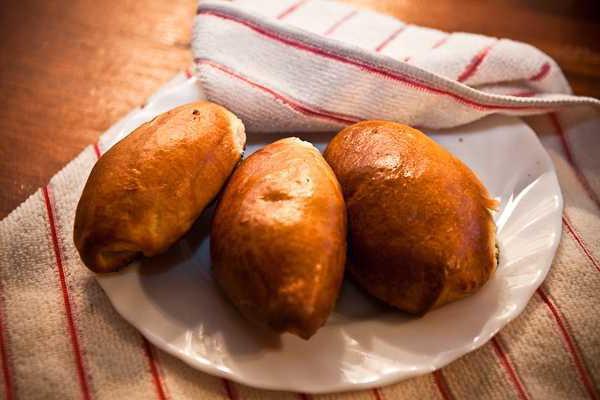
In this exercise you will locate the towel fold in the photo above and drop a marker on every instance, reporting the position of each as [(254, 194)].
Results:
[(315, 65)]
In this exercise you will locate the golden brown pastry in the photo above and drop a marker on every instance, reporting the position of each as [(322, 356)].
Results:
[(146, 191), (421, 233), (278, 239)]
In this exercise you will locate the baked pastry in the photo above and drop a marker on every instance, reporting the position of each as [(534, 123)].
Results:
[(421, 232), (278, 238), (147, 190)]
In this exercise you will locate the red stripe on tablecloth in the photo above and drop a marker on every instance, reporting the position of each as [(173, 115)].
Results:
[(97, 150), (6, 374), (378, 395), (370, 68), (293, 103), (188, 73), (442, 385), (340, 22), (160, 392), (544, 70), (475, 63), (291, 9), (390, 38), (441, 41), (575, 234), (509, 368), (435, 45), (569, 154), (570, 344), (85, 391), (229, 389)]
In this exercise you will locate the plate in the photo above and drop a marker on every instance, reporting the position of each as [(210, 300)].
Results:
[(172, 299)]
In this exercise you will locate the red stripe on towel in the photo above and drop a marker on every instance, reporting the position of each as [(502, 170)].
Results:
[(85, 391), (544, 70), (377, 393), (291, 9), (435, 45), (512, 373), (569, 154), (97, 149), (475, 63), (369, 68), (441, 41), (390, 38), (581, 242), (6, 374), (160, 392), (292, 103), (340, 22), (229, 389), (570, 344), (442, 385)]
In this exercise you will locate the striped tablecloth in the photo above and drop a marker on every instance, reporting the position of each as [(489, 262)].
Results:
[(60, 338)]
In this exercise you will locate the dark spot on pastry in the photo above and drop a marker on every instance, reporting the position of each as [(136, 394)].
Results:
[(195, 112), (276, 195)]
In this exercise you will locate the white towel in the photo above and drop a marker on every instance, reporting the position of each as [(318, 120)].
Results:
[(314, 65)]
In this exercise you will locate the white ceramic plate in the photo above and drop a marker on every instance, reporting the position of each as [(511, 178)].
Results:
[(174, 302)]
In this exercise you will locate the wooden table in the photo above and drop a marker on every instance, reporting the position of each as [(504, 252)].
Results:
[(69, 69)]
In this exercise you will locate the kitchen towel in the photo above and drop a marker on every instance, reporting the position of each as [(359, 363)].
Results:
[(312, 66)]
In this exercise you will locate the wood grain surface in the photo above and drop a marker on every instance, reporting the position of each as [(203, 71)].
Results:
[(69, 69)]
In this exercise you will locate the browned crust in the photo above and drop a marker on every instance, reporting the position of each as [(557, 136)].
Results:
[(421, 232), (146, 191), (278, 239)]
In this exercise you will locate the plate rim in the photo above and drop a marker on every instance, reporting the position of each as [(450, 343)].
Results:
[(382, 379)]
